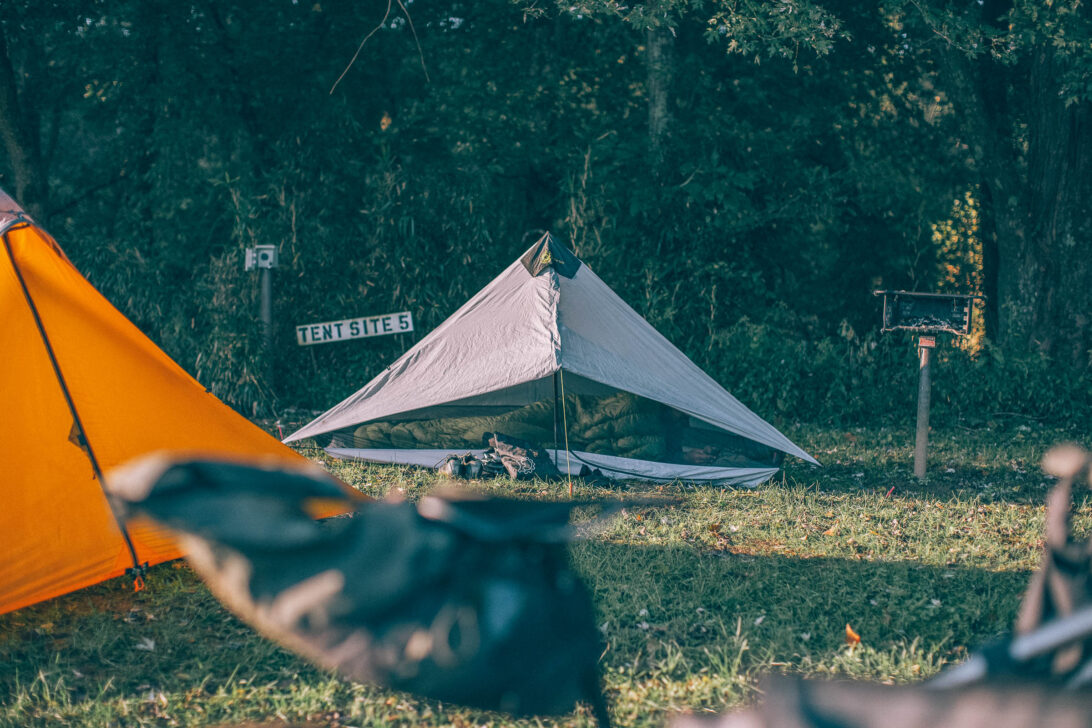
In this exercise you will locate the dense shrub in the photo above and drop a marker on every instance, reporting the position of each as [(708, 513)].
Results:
[(750, 231), (787, 375)]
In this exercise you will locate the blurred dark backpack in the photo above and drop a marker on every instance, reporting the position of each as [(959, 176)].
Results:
[(472, 602)]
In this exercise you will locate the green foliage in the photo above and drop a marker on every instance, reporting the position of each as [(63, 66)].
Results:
[(790, 375), (1032, 385), (751, 28), (793, 373), (781, 186)]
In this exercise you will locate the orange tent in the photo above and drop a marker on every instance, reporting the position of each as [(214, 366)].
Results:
[(82, 391)]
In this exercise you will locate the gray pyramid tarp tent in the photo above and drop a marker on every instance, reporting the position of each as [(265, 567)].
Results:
[(548, 352)]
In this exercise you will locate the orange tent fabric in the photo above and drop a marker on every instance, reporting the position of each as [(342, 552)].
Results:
[(58, 529)]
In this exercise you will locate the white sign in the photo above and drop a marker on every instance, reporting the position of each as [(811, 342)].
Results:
[(354, 328), (261, 256)]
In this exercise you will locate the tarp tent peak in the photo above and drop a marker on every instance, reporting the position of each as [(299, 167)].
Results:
[(548, 253)]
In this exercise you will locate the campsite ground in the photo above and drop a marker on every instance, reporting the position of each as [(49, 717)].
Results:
[(697, 597)]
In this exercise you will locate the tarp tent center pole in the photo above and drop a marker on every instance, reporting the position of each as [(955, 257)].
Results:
[(557, 416)]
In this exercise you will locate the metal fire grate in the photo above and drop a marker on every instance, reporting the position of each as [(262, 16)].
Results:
[(927, 313)]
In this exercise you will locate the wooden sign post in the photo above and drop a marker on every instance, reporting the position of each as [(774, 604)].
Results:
[(264, 259), (926, 344)]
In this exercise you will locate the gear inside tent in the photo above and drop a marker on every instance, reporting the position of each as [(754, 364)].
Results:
[(84, 390), (549, 354)]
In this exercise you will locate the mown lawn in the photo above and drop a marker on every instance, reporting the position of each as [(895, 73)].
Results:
[(697, 597)]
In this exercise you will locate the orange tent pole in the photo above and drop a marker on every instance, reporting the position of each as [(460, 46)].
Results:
[(137, 569)]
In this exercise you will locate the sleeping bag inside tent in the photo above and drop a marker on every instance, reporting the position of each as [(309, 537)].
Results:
[(549, 354)]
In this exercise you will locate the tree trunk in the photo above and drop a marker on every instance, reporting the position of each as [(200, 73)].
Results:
[(1037, 222), (979, 89), (20, 140), (660, 69), (987, 232), (1051, 295)]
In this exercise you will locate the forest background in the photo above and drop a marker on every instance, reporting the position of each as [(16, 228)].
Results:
[(744, 173)]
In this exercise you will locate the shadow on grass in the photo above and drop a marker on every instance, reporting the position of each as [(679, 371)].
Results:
[(667, 613), (1000, 463), (986, 484), (792, 609)]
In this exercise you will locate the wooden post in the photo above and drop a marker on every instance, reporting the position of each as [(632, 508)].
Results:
[(266, 313), (264, 258), (921, 443)]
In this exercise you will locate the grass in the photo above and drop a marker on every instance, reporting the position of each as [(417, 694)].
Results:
[(698, 596)]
